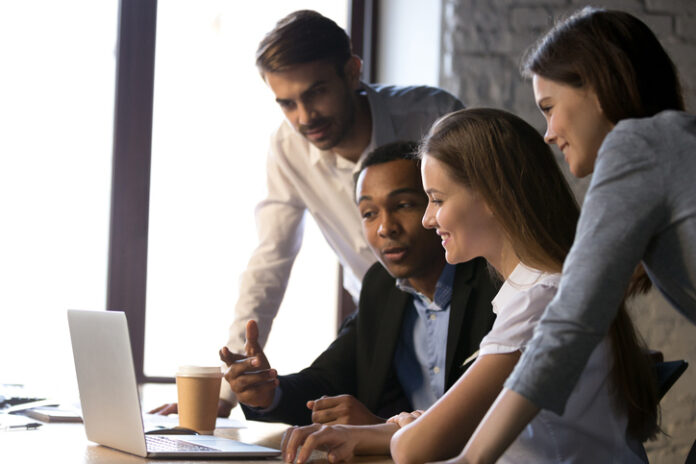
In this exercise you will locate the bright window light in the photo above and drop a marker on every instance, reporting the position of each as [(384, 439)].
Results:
[(213, 116), (56, 124)]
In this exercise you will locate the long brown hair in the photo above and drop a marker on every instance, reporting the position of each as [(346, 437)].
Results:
[(616, 55), (507, 162)]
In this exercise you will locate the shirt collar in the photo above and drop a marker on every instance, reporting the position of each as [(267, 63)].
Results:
[(522, 277), (382, 127), (443, 289)]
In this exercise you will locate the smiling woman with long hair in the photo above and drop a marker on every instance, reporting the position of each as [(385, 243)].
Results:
[(495, 191), (613, 105)]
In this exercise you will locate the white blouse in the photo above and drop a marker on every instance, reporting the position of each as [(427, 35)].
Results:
[(592, 429)]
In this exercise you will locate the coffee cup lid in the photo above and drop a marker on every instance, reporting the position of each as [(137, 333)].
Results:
[(198, 371)]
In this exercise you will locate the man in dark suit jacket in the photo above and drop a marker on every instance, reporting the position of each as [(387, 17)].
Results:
[(365, 374)]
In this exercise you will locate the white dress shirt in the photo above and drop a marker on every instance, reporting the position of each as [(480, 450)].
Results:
[(592, 429), (303, 178)]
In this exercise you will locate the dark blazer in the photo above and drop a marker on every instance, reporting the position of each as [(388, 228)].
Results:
[(360, 361)]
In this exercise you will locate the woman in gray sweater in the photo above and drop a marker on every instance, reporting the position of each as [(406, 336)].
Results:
[(613, 105)]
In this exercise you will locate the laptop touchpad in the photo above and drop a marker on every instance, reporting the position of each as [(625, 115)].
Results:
[(223, 444)]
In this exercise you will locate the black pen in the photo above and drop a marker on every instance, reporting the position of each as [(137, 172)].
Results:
[(29, 426)]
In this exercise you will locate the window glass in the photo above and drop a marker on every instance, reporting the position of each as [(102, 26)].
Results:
[(213, 116), (56, 120)]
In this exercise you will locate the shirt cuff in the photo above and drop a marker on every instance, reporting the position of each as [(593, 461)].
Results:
[(277, 396)]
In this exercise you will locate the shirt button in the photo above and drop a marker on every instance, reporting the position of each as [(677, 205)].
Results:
[(436, 370), (433, 317)]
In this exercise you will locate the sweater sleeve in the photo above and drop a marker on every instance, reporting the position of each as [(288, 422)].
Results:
[(623, 209)]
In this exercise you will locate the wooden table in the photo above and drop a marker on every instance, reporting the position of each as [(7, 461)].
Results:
[(67, 443)]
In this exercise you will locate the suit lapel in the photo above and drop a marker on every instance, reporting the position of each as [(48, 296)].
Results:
[(387, 334), (458, 310)]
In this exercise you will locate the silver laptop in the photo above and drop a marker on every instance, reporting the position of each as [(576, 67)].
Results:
[(109, 395)]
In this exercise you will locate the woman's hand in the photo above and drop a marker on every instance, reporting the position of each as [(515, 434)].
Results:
[(405, 418)]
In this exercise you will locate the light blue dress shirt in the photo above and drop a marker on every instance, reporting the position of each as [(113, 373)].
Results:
[(422, 349)]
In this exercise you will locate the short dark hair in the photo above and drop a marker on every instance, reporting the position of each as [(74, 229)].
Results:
[(302, 37), (613, 53), (400, 150)]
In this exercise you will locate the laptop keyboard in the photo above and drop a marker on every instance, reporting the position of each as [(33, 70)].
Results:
[(158, 444)]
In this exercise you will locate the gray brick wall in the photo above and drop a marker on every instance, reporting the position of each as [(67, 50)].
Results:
[(482, 44)]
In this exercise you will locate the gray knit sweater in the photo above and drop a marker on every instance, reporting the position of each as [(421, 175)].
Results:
[(640, 206)]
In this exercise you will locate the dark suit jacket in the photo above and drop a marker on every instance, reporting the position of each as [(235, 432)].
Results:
[(360, 361)]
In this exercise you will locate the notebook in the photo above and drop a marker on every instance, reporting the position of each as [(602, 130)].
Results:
[(109, 395), (54, 414)]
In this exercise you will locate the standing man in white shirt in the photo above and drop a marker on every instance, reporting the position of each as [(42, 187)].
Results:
[(332, 120)]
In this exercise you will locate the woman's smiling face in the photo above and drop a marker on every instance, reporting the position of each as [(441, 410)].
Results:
[(461, 218), (574, 121)]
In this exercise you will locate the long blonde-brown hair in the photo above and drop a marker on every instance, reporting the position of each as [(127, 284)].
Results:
[(507, 162)]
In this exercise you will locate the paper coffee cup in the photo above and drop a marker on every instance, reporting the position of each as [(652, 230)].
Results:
[(198, 390)]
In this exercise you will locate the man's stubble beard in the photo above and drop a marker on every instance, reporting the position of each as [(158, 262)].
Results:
[(344, 124)]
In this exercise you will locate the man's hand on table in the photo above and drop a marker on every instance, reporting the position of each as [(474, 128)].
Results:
[(341, 409)]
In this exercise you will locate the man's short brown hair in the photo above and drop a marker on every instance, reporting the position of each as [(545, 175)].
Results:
[(302, 37)]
